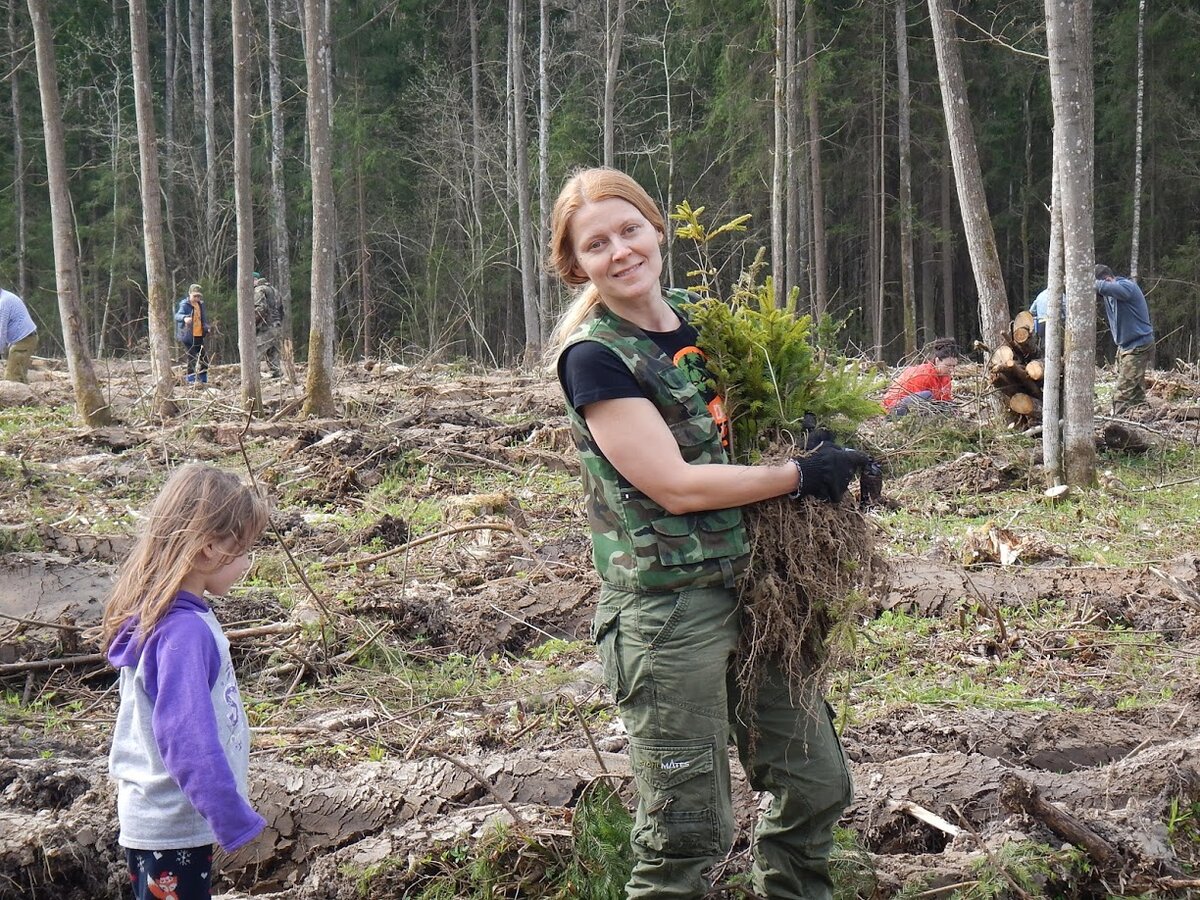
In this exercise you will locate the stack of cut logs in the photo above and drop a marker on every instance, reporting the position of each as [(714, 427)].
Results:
[(1016, 369)]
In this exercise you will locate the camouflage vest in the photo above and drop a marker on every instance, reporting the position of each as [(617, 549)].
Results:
[(636, 544)]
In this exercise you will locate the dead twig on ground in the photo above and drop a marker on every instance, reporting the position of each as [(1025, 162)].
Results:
[(487, 785), (429, 538)]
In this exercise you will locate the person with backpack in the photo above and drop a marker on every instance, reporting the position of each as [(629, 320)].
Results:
[(268, 321)]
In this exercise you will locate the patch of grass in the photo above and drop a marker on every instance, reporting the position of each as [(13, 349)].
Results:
[(28, 421), (1183, 831)]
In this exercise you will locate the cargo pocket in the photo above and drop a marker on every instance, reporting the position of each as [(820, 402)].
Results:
[(678, 540), (605, 634), (676, 782), (721, 534), (841, 752)]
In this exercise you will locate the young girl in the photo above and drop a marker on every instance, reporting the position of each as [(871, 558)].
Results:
[(181, 744)]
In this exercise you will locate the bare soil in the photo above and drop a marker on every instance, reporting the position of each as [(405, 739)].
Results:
[(428, 540)]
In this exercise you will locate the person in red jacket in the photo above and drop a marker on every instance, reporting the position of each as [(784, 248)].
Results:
[(925, 387)]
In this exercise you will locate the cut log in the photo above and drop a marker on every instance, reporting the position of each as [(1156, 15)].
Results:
[(1035, 369), (1024, 333), (1022, 404), (1003, 358)]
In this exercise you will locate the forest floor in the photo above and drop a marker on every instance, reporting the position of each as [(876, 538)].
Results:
[(1021, 708)]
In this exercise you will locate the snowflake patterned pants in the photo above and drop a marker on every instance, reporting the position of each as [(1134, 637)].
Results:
[(668, 660), (171, 874)]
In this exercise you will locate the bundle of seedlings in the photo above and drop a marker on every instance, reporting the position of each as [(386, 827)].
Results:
[(810, 561)]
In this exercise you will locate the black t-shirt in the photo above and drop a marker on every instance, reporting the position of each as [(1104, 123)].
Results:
[(590, 372)]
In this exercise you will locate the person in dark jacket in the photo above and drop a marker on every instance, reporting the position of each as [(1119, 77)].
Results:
[(1129, 321), (191, 327)]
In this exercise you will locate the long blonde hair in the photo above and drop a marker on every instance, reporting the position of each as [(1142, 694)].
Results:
[(197, 506), (588, 186)]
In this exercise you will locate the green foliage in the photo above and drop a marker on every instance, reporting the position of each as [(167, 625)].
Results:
[(763, 358), (602, 860)]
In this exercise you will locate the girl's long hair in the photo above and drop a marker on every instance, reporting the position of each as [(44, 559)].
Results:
[(588, 186), (198, 505)]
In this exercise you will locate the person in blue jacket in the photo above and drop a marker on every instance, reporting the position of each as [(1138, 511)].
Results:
[(181, 744), (191, 328), (1129, 321), (1039, 307)]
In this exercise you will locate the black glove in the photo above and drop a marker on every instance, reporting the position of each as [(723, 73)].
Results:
[(827, 470)]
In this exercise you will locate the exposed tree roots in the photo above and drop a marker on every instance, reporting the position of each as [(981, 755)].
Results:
[(810, 565)]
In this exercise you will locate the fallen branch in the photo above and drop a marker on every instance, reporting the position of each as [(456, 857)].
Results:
[(87, 659), (474, 773), (1018, 794), (921, 814)]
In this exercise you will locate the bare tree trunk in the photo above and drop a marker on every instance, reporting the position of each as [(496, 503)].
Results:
[(475, 216), (196, 62), (526, 257), (1135, 232), (170, 85), (779, 156), (89, 402), (615, 34), (820, 252), (928, 286), (544, 199), (244, 204), (795, 195), (210, 130), (279, 232), (669, 136), (1069, 37), (881, 220), (157, 288), (1026, 190), (947, 253), (364, 261), (874, 233), (907, 278), (1052, 444), (319, 386), (14, 83), (972, 202)]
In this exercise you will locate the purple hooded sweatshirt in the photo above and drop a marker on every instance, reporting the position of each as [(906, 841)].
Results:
[(181, 745)]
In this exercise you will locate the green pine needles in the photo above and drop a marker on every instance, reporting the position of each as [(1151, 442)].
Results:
[(764, 359)]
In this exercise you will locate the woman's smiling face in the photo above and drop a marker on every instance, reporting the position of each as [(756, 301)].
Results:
[(617, 249)]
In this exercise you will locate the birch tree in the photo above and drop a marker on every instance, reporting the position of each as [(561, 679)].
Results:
[(244, 204), (1068, 38), (89, 402), (779, 155), (319, 386), (820, 249), (14, 85), (968, 178), (157, 288), (1052, 443), (614, 36), (904, 135), (280, 250), (1136, 229), (526, 255)]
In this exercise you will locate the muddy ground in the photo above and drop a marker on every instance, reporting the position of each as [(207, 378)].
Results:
[(411, 644)]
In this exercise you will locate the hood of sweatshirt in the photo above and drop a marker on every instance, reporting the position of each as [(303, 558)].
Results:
[(126, 648)]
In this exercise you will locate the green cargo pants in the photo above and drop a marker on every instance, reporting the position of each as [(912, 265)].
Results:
[(668, 662), (20, 354), (1131, 376)]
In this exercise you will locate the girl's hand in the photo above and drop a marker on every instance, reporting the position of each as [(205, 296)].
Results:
[(187, 320)]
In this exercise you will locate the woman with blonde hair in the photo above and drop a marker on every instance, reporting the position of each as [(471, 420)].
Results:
[(668, 542)]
